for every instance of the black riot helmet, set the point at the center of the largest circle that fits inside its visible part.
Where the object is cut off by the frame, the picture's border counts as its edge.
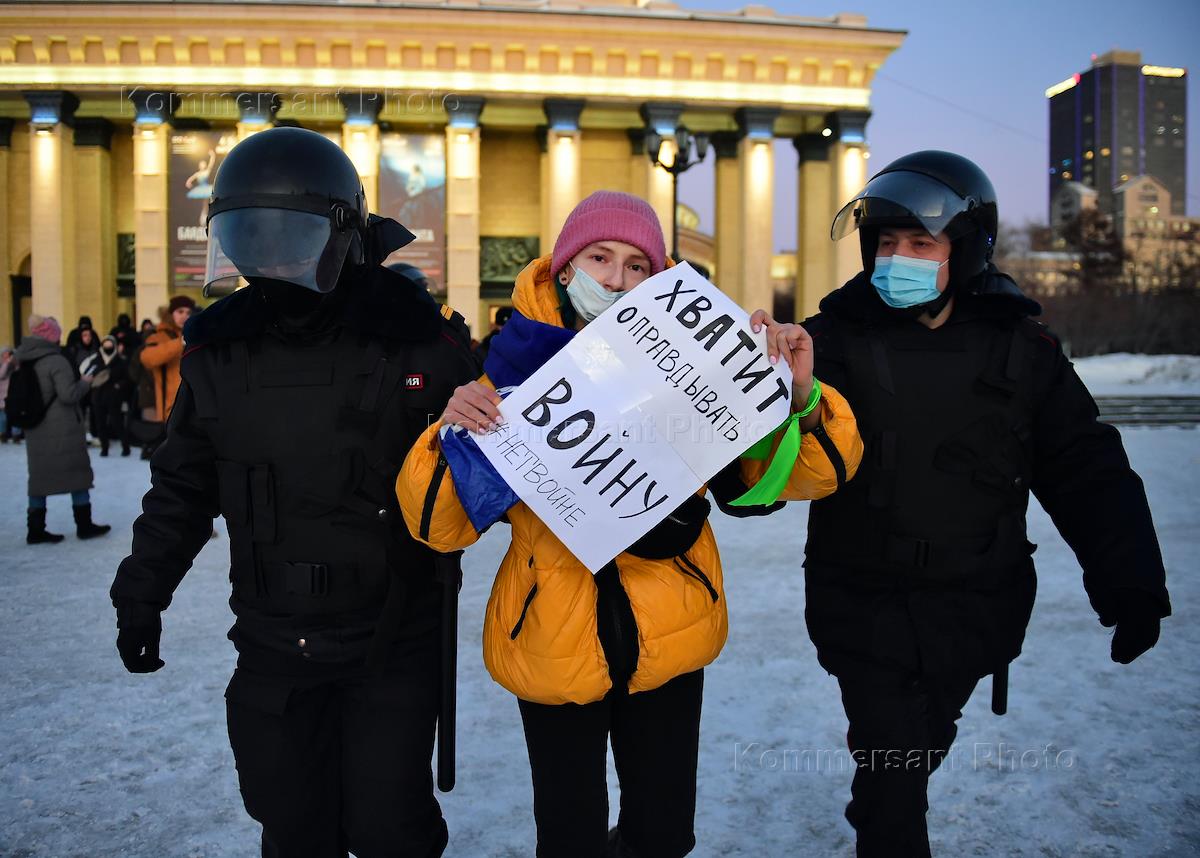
(409, 272)
(937, 191)
(288, 205)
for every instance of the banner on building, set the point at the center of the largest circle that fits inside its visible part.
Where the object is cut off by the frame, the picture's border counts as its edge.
(412, 189)
(194, 158)
(639, 410)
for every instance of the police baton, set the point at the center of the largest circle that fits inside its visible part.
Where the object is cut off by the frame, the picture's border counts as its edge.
(1000, 691)
(449, 570)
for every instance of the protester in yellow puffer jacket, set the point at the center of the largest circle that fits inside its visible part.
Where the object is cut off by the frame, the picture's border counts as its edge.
(620, 652)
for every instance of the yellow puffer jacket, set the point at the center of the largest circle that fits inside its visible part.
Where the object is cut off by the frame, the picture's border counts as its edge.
(539, 635)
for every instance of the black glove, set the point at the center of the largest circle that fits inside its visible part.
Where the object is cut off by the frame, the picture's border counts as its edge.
(726, 485)
(1138, 618)
(139, 628)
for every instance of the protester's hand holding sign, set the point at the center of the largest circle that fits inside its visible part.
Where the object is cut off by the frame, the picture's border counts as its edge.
(474, 406)
(792, 343)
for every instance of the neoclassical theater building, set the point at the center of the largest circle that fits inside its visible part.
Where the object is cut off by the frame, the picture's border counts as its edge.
(478, 123)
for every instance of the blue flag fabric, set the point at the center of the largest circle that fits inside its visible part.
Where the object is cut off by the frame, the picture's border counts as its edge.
(483, 493)
(519, 350)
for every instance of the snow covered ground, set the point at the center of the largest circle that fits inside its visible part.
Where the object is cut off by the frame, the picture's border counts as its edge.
(1094, 759)
(1125, 374)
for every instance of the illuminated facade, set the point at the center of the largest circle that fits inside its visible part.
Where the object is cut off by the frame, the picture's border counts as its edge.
(480, 123)
(1117, 120)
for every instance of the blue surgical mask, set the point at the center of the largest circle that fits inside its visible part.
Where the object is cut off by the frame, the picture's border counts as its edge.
(588, 297)
(903, 281)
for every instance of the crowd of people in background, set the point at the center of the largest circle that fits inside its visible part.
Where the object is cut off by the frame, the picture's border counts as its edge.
(95, 391)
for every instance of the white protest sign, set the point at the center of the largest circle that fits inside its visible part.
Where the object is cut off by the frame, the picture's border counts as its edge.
(638, 411)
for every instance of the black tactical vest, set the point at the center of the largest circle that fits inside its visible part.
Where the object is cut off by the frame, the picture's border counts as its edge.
(946, 418)
(309, 439)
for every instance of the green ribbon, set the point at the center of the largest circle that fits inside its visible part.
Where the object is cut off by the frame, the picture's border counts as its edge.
(770, 487)
(767, 490)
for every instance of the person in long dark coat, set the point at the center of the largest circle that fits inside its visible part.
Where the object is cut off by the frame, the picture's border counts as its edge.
(7, 365)
(126, 335)
(56, 447)
(87, 344)
(74, 338)
(110, 392)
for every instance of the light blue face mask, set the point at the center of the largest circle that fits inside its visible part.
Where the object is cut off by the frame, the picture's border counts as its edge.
(903, 281)
(588, 297)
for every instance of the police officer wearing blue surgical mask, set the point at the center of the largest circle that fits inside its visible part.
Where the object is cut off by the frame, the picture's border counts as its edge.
(920, 580)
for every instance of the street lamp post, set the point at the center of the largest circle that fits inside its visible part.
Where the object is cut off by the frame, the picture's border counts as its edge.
(687, 145)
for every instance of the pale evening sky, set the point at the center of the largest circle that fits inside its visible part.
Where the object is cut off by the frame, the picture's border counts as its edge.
(971, 77)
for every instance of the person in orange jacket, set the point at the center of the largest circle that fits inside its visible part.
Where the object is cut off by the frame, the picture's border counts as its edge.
(621, 653)
(163, 352)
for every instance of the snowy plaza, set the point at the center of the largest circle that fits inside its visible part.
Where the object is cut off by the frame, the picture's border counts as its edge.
(1093, 759)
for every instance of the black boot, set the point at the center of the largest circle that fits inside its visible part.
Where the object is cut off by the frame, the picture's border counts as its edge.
(37, 529)
(84, 528)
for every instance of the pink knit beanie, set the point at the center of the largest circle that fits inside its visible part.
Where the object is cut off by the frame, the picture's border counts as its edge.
(611, 216)
(46, 327)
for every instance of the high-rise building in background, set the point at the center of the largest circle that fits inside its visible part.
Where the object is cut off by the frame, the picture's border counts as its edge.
(1118, 120)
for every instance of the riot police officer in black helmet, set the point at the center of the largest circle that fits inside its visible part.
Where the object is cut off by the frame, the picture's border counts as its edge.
(919, 577)
(941, 194)
(300, 396)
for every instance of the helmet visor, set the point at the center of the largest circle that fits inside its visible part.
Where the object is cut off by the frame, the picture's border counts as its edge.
(898, 197)
(281, 244)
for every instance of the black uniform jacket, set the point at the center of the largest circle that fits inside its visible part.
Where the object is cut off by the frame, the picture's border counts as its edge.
(921, 563)
(296, 438)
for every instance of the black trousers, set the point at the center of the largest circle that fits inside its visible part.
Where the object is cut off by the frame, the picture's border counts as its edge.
(341, 764)
(109, 424)
(901, 728)
(655, 740)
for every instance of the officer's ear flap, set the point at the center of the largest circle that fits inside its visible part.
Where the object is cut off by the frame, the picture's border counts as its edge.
(384, 237)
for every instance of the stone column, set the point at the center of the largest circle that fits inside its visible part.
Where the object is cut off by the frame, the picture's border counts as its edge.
(815, 273)
(8, 325)
(727, 209)
(639, 164)
(462, 210)
(96, 237)
(360, 139)
(756, 163)
(849, 166)
(151, 154)
(561, 165)
(661, 118)
(52, 204)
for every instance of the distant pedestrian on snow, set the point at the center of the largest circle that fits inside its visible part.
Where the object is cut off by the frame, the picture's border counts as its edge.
(110, 392)
(163, 352)
(502, 316)
(160, 358)
(86, 346)
(56, 448)
(7, 365)
(76, 335)
(125, 335)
